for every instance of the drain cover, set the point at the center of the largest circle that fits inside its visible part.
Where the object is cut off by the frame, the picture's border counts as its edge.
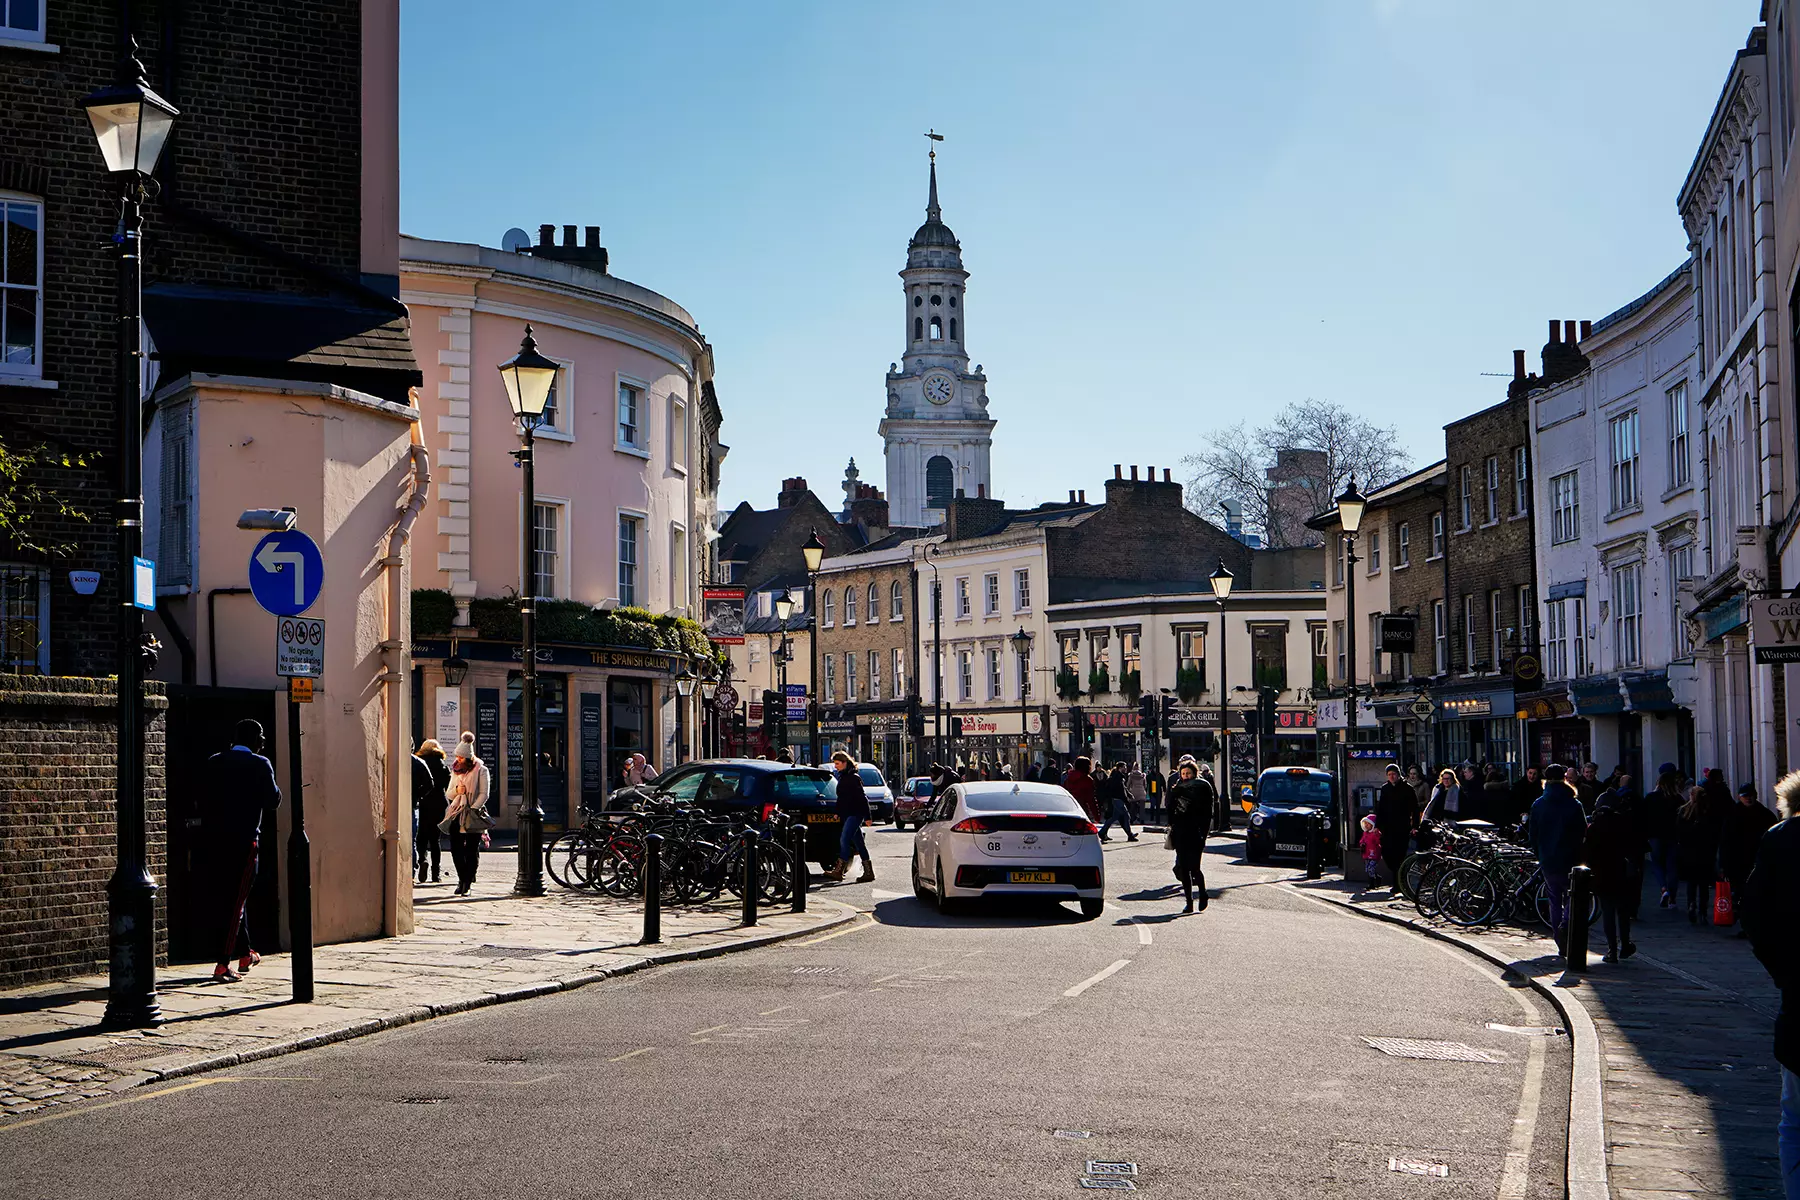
(508, 951)
(1437, 1051)
(1111, 1168)
(123, 1052)
(1404, 1167)
(819, 970)
(1108, 1183)
(422, 1099)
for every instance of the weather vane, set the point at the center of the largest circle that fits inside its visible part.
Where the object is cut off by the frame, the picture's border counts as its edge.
(935, 136)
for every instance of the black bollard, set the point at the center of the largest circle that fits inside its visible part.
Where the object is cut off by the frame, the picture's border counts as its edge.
(1575, 934)
(653, 889)
(750, 876)
(1315, 846)
(797, 847)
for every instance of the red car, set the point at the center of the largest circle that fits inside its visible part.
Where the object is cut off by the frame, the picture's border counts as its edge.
(912, 802)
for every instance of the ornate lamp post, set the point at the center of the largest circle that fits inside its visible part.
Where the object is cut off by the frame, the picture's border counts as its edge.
(814, 554)
(1021, 643)
(1350, 507)
(684, 687)
(131, 124)
(709, 687)
(529, 376)
(1221, 581)
(784, 650)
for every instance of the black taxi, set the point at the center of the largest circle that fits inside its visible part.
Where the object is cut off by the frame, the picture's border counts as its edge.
(747, 787)
(1282, 809)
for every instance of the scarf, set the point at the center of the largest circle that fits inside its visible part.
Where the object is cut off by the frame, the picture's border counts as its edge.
(462, 766)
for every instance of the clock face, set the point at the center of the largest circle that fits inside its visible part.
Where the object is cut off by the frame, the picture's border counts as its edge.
(939, 388)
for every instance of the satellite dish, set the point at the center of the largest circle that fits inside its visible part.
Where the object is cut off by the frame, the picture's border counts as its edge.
(515, 241)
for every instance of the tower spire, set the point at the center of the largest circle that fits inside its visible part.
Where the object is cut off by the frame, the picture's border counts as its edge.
(931, 204)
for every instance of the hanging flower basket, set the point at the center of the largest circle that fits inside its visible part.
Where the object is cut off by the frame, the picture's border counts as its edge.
(1099, 682)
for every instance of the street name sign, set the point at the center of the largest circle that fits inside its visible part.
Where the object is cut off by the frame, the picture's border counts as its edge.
(286, 573)
(300, 647)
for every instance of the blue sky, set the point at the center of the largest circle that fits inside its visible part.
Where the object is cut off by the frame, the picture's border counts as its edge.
(1175, 215)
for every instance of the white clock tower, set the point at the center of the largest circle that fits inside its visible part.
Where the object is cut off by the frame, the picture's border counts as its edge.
(936, 430)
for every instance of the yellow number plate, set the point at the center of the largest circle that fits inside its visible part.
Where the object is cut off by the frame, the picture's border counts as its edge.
(821, 819)
(1031, 877)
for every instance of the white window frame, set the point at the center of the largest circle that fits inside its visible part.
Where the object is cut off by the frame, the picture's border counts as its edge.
(874, 674)
(1626, 485)
(1022, 589)
(1374, 551)
(1628, 614)
(850, 606)
(1403, 545)
(1521, 481)
(990, 595)
(874, 599)
(1466, 503)
(1556, 640)
(1681, 566)
(1437, 536)
(1491, 474)
(1440, 638)
(896, 602)
(965, 675)
(830, 679)
(562, 428)
(1565, 507)
(678, 434)
(996, 685)
(31, 38)
(963, 611)
(641, 446)
(35, 368)
(1339, 542)
(1681, 468)
(559, 557)
(678, 565)
(1339, 652)
(642, 519)
(828, 614)
(899, 673)
(1527, 612)
(1471, 642)
(1496, 638)
(850, 676)
(1578, 635)
(176, 544)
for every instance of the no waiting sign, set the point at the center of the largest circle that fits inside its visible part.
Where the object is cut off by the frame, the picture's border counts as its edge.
(299, 647)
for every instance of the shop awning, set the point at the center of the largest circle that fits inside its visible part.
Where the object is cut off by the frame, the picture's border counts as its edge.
(1597, 696)
(1650, 692)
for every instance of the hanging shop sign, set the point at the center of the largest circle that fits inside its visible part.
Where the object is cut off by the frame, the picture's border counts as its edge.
(1775, 630)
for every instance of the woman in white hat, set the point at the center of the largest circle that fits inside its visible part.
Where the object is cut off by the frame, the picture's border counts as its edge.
(466, 816)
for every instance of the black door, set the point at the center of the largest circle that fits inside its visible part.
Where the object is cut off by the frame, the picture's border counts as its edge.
(200, 724)
(552, 747)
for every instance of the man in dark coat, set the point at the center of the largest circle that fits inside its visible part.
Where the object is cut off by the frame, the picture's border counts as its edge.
(1396, 815)
(1524, 794)
(1496, 798)
(240, 788)
(1772, 919)
(1614, 849)
(1744, 826)
(1557, 827)
(1109, 794)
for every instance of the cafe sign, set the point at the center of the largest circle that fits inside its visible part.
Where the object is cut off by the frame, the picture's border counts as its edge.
(1775, 630)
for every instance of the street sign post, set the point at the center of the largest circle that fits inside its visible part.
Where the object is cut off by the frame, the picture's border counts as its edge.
(725, 699)
(286, 573)
(300, 647)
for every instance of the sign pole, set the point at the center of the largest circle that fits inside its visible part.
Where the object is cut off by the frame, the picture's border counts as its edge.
(299, 856)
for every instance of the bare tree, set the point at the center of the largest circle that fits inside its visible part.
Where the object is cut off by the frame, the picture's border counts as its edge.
(1291, 468)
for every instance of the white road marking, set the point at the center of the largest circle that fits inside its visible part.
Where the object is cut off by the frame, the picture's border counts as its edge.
(1515, 1176)
(180, 1087)
(712, 1029)
(1144, 938)
(632, 1053)
(1091, 980)
(829, 995)
(879, 894)
(772, 1011)
(885, 978)
(863, 922)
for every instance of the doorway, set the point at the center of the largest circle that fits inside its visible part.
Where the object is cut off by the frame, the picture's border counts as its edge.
(552, 747)
(628, 725)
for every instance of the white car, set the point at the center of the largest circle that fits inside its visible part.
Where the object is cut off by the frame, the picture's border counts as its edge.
(1009, 839)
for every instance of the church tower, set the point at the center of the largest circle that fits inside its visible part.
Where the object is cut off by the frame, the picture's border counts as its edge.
(936, 431)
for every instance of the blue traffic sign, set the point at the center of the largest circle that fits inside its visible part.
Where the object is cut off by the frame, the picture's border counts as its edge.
(286, 573)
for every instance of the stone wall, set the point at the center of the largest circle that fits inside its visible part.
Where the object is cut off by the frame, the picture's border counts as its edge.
(57, 832)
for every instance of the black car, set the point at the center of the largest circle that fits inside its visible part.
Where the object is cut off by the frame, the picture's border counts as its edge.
(747, 786)
(1283, 809)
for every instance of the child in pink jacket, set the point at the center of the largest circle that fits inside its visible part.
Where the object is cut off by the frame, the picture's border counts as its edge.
(1371, 849)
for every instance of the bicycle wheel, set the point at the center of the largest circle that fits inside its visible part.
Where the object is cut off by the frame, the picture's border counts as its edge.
(560, 858)
(616, 866)
(1467, 895)
(774, 872)
(1412, 870)
(1426, 901)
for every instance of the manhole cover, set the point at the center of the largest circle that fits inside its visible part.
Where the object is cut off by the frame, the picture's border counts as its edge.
(123, 1052)
(1109, 1184)
(1437, 1051)
(423, 1099)
(1111, 1168)
(1070, 1133)
(508, 951)
(819, 970)
(503, 1060)
(1405, 1167)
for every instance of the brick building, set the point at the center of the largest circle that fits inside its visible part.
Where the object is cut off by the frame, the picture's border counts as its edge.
(1413, 511)
(869, 653)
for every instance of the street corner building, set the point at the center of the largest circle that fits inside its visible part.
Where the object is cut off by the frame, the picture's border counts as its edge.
(277, 372)
(626, 463)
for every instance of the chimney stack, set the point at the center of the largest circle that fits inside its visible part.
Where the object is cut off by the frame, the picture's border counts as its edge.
(569, 242)
(1134, 472)
(1166, 478)
(593, 237)
(1071, 495)
(1081, 496)
(1555, 329)
(546, 235)
(1587, 330)
(1518, 364)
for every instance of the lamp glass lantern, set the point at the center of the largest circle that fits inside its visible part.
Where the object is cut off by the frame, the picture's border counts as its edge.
(1350, 507)
(784, 606)
(814, 552)
(1221, 581)
(529, 377)
(131, 124)
(684, 683)
(456, 669)
(1021, 642)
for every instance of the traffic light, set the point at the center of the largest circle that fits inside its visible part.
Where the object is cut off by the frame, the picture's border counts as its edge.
(1166, 719)
(915, 719)
(1253, 721)
(1265, 704)
(1147, 713)
(1078, 726)
(956, 727)
(774, 711)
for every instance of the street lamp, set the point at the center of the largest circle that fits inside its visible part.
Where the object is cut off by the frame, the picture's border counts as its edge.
(1021, 642)
(684, 687)
(1221, 581)
(456, 669)
(937, 650)
(709, 687)
(813, 552)
(1350, 507)
(131, 125)
(528, 377)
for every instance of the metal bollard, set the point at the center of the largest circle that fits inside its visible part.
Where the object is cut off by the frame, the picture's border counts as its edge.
(1315, 846)
(751, 841)
(797, 850)
(1575, 935)
(653, 889)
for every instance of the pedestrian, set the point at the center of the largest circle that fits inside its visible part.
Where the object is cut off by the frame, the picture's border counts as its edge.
(1396, 817)
(1468, 780)
(1446, 798)
(1556, 828)
(240, 788)
(1079, 783)
(429, 801)
(1659, 812)
(1613, 847)
(1109, 792)
(1772, 919)
(1697, 826)
(1496, 798)
(1031, 773)
(1371, 849)
(1155, 788)
(638, 770)
(853, 810)
(1588, 787)
(1135, 793)
(1524, 790)
(1743, 828)
(1419, 780)
(1191, 802)
(466, 817)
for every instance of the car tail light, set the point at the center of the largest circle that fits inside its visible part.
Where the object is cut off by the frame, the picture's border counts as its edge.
(970, 825)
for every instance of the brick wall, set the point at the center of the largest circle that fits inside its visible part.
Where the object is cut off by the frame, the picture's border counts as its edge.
(1143, 533)
(1488, 556)
(883, 636)
(1412, 588)
(57, 843)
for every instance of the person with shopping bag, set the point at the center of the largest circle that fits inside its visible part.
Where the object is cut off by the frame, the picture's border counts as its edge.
(466, 817)
(1697, 826)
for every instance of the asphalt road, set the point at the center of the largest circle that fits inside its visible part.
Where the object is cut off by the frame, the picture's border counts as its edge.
(909, 1055)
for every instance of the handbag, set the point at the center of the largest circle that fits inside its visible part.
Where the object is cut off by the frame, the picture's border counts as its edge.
(1169, 840)
(1724, 910)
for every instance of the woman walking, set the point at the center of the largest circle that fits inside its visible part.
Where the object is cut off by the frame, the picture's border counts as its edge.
(1614, 849)
(1697, 849)
(465, 815)
(1191, 801)
(433, 802)
(1660, 809)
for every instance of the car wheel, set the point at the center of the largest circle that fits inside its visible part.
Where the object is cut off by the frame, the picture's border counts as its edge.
(944, 903)
(918, 883)
(1092, 908)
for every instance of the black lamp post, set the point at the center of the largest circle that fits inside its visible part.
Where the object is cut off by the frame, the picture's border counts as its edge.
(709, 687)
(1021, 642)
(131, 124)
(814, 554)
(1350, 507)
(784, 650)
(684, 688)
(1221, 581)
(529, 377)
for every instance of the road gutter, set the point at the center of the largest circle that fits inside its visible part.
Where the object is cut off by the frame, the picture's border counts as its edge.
(1585, 1163)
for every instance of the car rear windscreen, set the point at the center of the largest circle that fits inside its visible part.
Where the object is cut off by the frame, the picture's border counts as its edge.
(871, 777)
(805, 785)
(1292, 790)
(1039, 799)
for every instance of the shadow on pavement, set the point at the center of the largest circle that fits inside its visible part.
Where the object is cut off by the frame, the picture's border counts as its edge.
(908, 912)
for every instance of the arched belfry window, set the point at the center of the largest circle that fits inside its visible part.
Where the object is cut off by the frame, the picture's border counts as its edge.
(940, 482)
(937, 329)
(918, 329)
(953, 329)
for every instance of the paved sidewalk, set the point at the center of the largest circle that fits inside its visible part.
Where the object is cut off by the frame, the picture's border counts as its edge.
(485, 948)
(1689, 1086)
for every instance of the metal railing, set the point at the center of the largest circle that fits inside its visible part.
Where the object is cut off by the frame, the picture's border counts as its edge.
(24, 619)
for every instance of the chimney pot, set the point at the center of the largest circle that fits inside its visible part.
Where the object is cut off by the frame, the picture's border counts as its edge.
(1587, 330)
(1081, 496)
(1555, 329)
(1569, 332)
(1166, 478)
(981, 491)
(593, 237)
(1134, 472)
(1117, 472)
(569, 237)
(546, 235)
(1071, 495)
(1518, 364)
(960, 494)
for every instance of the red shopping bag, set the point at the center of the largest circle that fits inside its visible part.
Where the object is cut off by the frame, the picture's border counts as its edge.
(1724, 911)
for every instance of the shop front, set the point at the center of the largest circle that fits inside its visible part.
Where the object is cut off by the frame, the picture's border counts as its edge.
(597, 706)
(990, 738)
(1477, 725)
(1553, 733)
